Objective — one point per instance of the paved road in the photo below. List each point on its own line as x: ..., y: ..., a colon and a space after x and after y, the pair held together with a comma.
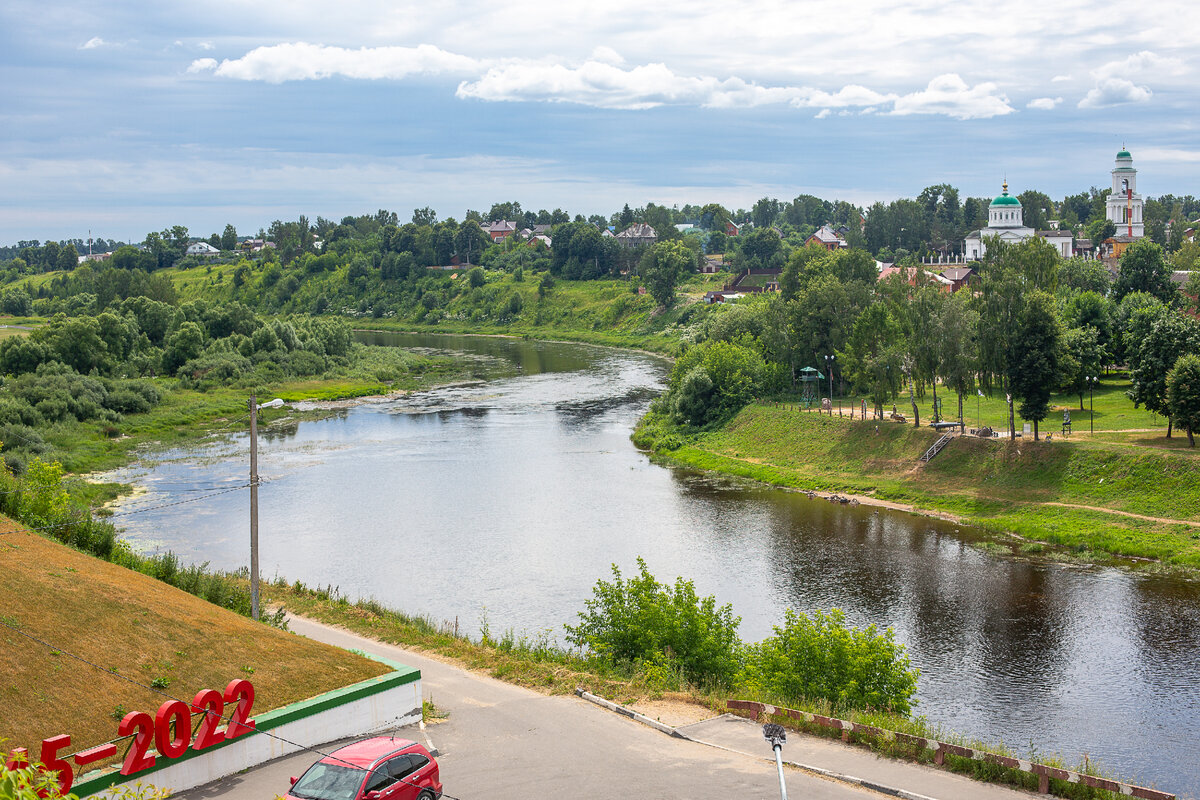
x: 503, y: 741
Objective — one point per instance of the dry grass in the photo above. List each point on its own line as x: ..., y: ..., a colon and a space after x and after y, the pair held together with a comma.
x: 144, y: 630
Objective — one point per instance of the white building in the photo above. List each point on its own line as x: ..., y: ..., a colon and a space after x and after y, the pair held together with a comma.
x: 202, y: 249
x: 1124, y: 207
x: 1006, y: 220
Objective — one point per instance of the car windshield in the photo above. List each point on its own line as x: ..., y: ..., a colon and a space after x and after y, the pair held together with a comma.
x: 329, y: 782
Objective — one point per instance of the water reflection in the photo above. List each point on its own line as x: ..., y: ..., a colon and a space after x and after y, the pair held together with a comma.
x: 514, y: 496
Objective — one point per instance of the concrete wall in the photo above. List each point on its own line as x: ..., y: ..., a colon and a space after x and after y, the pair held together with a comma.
x: 385, y: 702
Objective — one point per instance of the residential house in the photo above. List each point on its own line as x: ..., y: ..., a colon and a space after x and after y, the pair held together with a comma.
x: 828, y: 238
x: 732, y: 228
x: 636, y: 235
x: 202, y: 249
x: 958, y: 277
x: 499, y: 230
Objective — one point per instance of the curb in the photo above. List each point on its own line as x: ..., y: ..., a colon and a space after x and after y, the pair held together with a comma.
x: 676, y: 733
x: 433, y: 751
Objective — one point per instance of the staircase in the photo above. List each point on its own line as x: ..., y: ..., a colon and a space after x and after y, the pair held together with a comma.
x: 937, y: 447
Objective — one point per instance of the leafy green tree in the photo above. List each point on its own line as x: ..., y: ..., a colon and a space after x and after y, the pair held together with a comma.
x: 639, y: 621
x: 803, y: 266
x: 1083, y: 356
x: 1036, y: 209
x: 662, y: 267
x: 959, y: 357
x: 1143, y: 268
x: 1085, y: 275
x: 1033, y: 361
x: 625, y: 218
x: 1170, y: 336
x: 760, y: 249
x: 229, y: 238
x: 1183, y: 394
x: 186, y: 343
x: 872, y: 359
x: 427, y: 216
x: 819, y: 657
x: 1100, y: 229
x: 717, y: 242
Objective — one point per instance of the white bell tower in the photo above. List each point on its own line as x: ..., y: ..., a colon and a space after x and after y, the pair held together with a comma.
x: 1124, y: 206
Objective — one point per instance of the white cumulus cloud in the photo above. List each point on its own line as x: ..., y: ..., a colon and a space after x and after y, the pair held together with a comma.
x: 950, y: 95
x: 93, y: 43
x: 1137, y: 65
x: 202, y: 65
x: 1115, y: 92
x: 302, y: 61
x: 1044, y: 103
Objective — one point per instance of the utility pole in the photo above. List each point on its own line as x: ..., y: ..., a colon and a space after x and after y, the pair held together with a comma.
x: 254, y: 407
x: 253, y: 507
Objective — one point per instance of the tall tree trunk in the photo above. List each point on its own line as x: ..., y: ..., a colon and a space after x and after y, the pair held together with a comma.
x: 912, y: 396
x: 960, y: 416
x: 1012, y: 422
x: 1035, y: 430
x: 1169, y: 427
x: 1191, y: 440
x: 936, y: 416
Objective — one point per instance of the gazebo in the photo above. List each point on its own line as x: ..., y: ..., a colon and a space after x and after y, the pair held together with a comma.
x: 810, y: 379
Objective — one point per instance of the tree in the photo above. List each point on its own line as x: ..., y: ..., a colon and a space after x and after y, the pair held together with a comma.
x: 661, y: 268
x: 1083, y: 356
x: 625, y: 218
x: 872, y: 358
x: 229, y: 238
x: 959, y: 357
x: 1143, y: 268
x: 1033, y: 361
x: 1100, y: 229
x: 1084, y: 274
x: 1171, y: 335
x: 509, y: 211
x: 424, y: 216
x: 717, y: 242
x: 1183, y: 394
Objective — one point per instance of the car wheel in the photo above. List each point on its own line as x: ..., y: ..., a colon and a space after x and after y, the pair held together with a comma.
x: 426, y: 796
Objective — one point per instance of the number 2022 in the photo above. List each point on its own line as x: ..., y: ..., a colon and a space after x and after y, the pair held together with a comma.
x: 170, y: 729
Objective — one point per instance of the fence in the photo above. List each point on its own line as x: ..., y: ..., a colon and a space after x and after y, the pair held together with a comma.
x: 941, y: 749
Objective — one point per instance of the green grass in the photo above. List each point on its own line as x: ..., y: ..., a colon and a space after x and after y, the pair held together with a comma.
x: 997, y: 484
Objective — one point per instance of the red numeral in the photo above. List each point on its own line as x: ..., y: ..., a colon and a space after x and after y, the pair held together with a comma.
x: 98, y: 753
x: 136, y: 759
x: 212, y: 707
x: 242, y: 691
x: 173, y: 728
x: 17, y: 759
x: 52, y: 763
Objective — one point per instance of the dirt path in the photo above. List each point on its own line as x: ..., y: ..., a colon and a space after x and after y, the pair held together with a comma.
x: 1167, y: 520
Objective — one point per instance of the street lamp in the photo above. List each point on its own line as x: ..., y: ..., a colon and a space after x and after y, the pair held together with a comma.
x: 829, y: 362
x: 1091, y: 381
x: 776, y: 735
x: 254, y: 407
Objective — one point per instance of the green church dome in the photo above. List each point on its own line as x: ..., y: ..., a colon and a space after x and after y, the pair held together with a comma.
x: 1005, y: 200
x: 1124, y: 154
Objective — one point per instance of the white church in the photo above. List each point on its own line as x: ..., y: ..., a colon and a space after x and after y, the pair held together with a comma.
x: 1124, y: 208
x: 1005, y: 219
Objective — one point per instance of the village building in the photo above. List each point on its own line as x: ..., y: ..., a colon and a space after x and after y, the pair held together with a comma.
x: 499, y: 230
x: 1006, y: 220
x: 202, y: 249
x: 637, y: 234
x: 828, y: 238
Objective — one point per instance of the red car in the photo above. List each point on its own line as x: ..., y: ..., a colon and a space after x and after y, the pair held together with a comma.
x: 382, y: 768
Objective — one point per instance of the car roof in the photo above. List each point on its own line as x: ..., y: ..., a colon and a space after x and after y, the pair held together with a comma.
x: 366, y: 752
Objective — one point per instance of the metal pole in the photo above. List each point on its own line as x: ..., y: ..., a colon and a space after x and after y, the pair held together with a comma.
x: 1092, y: 406
x: 779, y: 766
x: 776, y: 735
x: 253, y: 507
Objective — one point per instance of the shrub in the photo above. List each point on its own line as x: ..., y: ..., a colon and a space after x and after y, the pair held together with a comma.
x: 819, y: 657
x: 641, y: 620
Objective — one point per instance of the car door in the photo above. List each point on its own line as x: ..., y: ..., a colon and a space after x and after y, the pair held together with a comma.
x: 400, y: 770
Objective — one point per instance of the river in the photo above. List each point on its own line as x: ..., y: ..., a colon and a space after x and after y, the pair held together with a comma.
x: 505, y: 501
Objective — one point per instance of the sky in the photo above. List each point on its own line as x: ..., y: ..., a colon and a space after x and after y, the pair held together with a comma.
x: 127, y: 117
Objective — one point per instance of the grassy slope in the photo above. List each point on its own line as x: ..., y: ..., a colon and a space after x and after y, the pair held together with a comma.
x: 994, y: 483
x: 142, y: 628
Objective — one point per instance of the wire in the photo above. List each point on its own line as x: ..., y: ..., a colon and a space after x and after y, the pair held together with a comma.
x: 149, y: 688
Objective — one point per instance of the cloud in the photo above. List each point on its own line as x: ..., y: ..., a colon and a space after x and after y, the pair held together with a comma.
x: 206, y: 46
x: 202, y: 65
x: 949, y: 95
x: 1169, y: 155
x: 825, y: 112
x: 93, y: 43
x: 1060, y: 78
x: 302, y: 61
x: 1139, y: 64
x: 852, y: 95
x: 1115, y: 92
x: 1044, y: 103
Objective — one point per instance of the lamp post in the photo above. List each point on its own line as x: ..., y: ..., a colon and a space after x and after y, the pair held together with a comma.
x: 776, y: 735
x: 829, y: 362
x: 1091, y: 381
x: 254, y: 407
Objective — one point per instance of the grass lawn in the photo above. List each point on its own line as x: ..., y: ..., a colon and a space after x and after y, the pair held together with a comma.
x: 144, y: 630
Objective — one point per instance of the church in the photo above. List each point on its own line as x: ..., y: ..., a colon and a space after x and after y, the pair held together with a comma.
x: 1005, y: 220
x: 1124, y: 207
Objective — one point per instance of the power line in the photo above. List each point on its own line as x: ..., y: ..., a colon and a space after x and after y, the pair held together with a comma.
x: 200, y: 709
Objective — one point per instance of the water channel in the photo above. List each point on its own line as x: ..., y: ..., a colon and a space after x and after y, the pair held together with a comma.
x: 508, y: 499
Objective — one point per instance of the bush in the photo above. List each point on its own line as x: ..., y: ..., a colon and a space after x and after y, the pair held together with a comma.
x: 819, y: 657
x: 640, y: 620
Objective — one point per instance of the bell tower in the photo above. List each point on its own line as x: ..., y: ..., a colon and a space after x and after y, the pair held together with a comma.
x: 1124, y: 207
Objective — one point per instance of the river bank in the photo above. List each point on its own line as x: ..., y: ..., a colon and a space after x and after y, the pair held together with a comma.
x: 1097, y: 501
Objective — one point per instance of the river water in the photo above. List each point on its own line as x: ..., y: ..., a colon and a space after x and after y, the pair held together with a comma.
x: 506, y: 501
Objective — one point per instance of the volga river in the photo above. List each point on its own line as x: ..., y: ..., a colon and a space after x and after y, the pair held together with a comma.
x: 506, y: 501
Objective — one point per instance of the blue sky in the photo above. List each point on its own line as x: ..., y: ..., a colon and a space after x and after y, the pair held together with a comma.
x: 123, y: 118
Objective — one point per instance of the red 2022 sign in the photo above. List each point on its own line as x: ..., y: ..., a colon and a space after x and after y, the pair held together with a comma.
x: 169, y: 730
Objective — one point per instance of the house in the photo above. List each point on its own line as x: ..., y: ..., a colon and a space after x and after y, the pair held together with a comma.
x: 94, y: 257
x: 910, y: 276
x: 636, y: 235
x: 958, y: 277
x: 540, y: 237
x: 255, y: 245
x: 732, y: 228
x: 826, y: 237
x: 499, y: 230
x: 202, y: 249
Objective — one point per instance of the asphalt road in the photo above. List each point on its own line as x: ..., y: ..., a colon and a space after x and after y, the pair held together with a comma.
x: 503, y: 742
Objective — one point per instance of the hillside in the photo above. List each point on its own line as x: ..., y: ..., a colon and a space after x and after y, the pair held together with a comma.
x: 1026, y: 487
x: 140, y: 628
